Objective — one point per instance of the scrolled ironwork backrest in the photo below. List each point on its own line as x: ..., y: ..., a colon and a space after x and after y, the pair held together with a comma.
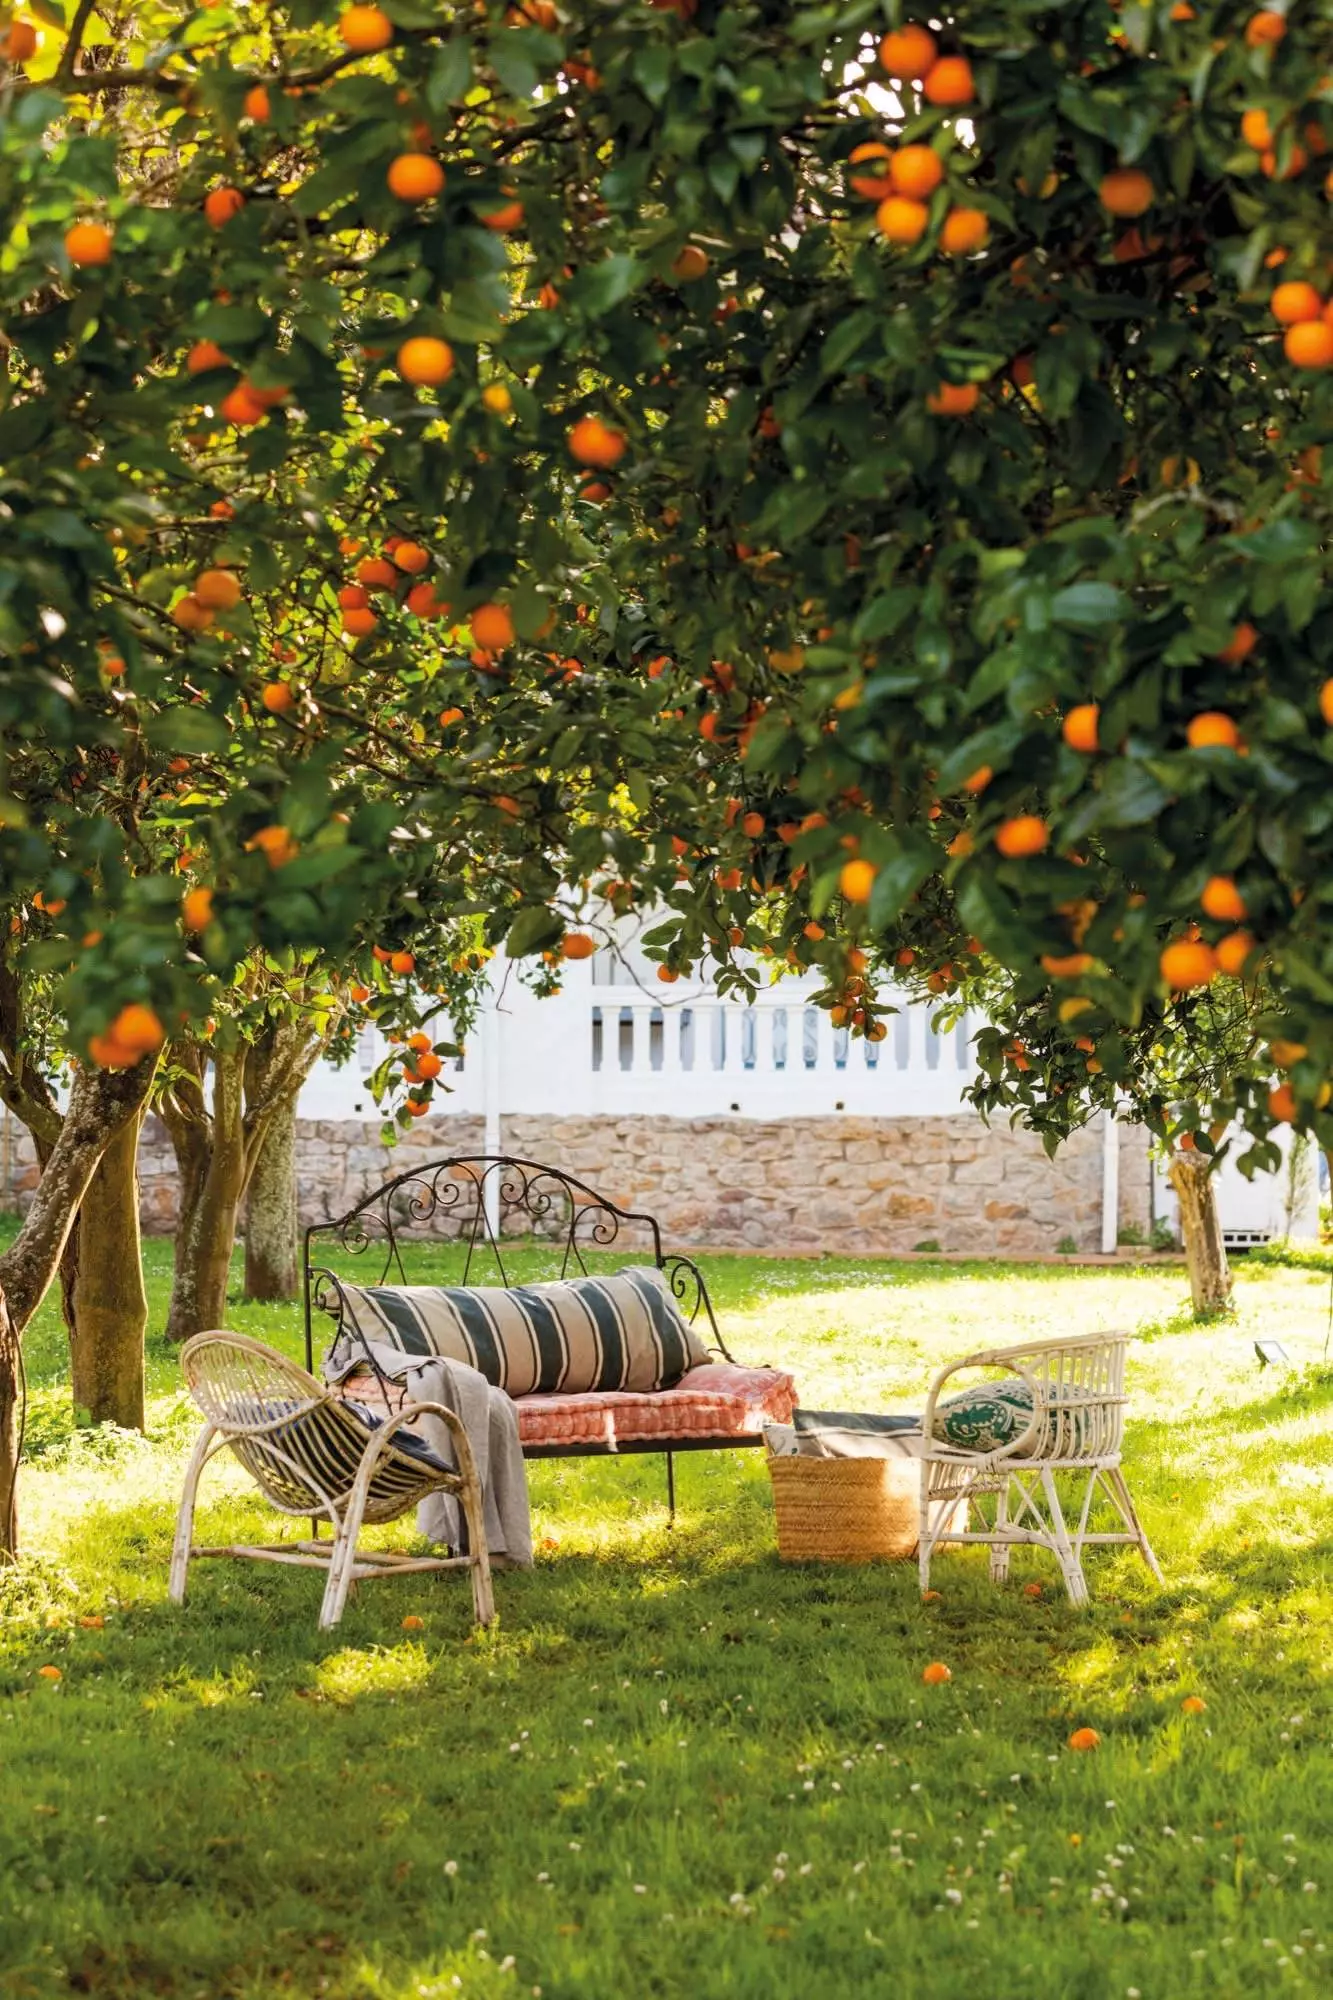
x: 525, y: 1195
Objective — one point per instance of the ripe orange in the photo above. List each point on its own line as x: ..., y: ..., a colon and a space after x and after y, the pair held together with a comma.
x: 277, y: 698
x: 965, y: 230
x: 423, y: 603
x: 690, y: 263
x: 205, y: 354
x: 908, y: 53
x: 189, y: 615
x: 752, y: 825
x: 508, y: 215
x: 1326, y: 702
x: 423, y: 360
x: 415, y: 177
x: 449, y: 716
x: 1265, y: 27
x: 197, y: 909
x: 577, y: 944
x: 497, y: 399
x: 1294, y: 302
x: 1282, y: 1104
x: 901, y: 219
x: 591, y: 442
x: 953, y: 399
x: 417, y: 1107
x: 256, y: 105
x: 222, y: 510
x: 366, y: 29
x: 242, y: 407
x: 88, y: 243
x: 916, y: 171
x: 1310, y: 344
x: 402, y: 962
x: 856, y: 880
x: 1020, y: 837
x: 1212, y: 731
x: 353, y: 598
x: 20, y: 44
x: 492, y: 626
x: 1071, y: 966
x: 1084, y: 1739
x: 1240, y: 645
x: 375, y: 574
x: 221, y: 204
x: 1126, y: 191
x: 979, y: 780
x: 1256, y: 131
x: 411, y: 558
x: 1232, y: 952
x: 218, y: 589
x: 1187, y: 962
x: 1287, y: 1054
x: 871, y: 186
x: 1298, y: 160
x: 1222, y: 900
x: 138, y: 1029
x: 949, y: 82
x: 936, y: 1674
x: 1193, y: 1704
x: 1079, y: 728
x: 359, y: 624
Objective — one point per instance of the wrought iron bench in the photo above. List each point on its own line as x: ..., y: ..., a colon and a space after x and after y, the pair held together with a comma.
x: 487, y: 1201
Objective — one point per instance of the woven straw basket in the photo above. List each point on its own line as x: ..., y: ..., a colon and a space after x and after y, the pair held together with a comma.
x: 846, y: 1509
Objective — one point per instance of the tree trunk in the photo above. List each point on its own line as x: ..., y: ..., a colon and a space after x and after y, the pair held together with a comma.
x: 213, y: 1177
x: 11, y: 1437
x: 106, y: 1307
x: 1201, y: 1233
x: 270, y: 1210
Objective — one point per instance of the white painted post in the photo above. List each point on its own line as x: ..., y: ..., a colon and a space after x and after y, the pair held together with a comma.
x: 1110, y: 1182
x: 671, y: 1019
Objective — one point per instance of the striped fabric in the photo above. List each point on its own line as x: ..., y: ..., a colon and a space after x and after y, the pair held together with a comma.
x: 328, y: 1443
x: 578, y: 1334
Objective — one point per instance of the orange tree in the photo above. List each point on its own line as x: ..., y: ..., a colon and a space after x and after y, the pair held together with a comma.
x: 830, y: 467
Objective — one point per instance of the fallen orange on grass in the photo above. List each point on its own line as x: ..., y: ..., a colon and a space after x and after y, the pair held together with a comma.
x: 1084, y: 1739
x: 413, y: 1624
x: 1193, y: 1704
x: 935, y: 1674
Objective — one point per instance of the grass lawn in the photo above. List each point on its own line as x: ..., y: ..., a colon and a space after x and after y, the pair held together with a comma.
x: 677, y: 1767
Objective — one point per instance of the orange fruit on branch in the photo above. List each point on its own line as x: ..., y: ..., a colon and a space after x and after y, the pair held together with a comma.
x: 949, y: 82
x: 916, y: 171
x: 856, y: 880
x: 205, y: 354
x: 964, y: 230
x: 1188, y: 962
x: 411, y: 558
x: 256, y: 105
x: 492, y: 626
x: 425, y: 361
x: 591, y: 442
x: 689, y: 264
x: 953, y: 399
x: 1240, y: 645
x: 21, y: 42
x: 221, y: 204
x: 1309, y: 344
x: 1222, y: 900
x: 1232, y: 952
x: 1126, y: 191
x: 189, y: 615
x: 375, y: 573
x: 218, y: 589
x: 1212, y: 731
x: 577, y: 944
x: 902, y: 220
x: 277, y: 698
x: 359, y: 623
x: 88, y: 243
x: 1256, y: 131
x: 364, y: 30
x: 415, y: 177
x: 871, y: 186
x: 242, y: 407
x: 1294, y: 302
x: 1265, y: 28
x: 908, y: 54
x: 1282, y: 1104
x: 1022, y: 836
x: 197, y: 909
x: 1079, y: 728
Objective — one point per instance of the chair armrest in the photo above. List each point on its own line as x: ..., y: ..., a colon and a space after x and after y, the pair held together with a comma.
x: 453, y: 1423
x: 991, y: 1359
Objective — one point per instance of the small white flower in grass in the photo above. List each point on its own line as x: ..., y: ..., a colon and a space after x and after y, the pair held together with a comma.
x: 514, y: 1749
x: 664, y: 1704
x: 809, y: 1785
x: 641, y: 1888
x: 779, y: 1874
x: 1310, y: 1888
x: 858, y: 1867
x: 587, y: 1722
x: 780, y: 1857
x: 1132, y: 1993
x: 914, y: 1788
x: 1287, y: 1839
x: 543, y: 1876
x: 735, y: 1898
x: 508, y: 1962
x: 576, y: 1845
x: 1169, y: 1832
x: 954, y: 1896
x: 478, y: 1937
x: 807, y: 1867
x: 451, y: 1867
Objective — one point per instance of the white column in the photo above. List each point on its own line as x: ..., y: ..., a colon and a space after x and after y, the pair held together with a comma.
x: 1110, y: 1182
x: 671, y: 1063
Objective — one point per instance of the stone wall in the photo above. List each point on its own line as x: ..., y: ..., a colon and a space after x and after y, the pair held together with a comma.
x: 855, y: 1186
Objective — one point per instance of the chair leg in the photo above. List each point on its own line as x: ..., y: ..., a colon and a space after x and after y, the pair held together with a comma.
x: 999, y: 1551
x: 180, y: 1549
x: 1070, y: 1567
x: 483, y: 1597
x: 341, y: 1564
x: 1116, y: 1480
x: 671, y: 1488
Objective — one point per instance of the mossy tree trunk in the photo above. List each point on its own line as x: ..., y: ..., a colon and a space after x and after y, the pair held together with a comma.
x: 271, y: 1271
x: 11, y: 1391
x: 218, y: 1135
x: 1201, y: 1233
x: 101, y: 1277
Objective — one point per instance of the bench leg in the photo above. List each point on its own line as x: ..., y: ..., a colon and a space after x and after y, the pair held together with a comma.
x: 671, y: 1488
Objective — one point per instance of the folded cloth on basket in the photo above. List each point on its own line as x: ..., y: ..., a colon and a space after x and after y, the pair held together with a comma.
x: 853, y: 1434
x: 488, y: 1416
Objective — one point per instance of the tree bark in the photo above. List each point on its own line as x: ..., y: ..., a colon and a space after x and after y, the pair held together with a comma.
x: 11, y: 1439
x: 211, y: 1155
x: 271, y: 1211
x: 1201, y: 1233
x: 102, y: 1280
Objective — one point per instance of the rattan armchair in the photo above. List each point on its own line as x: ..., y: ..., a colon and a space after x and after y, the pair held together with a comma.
x: 314, y: 1455
x: 1011, y: 1492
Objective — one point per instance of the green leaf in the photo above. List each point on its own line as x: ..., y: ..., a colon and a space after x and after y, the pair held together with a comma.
x: 533, y: 930
x: 190, y: 732
x: 513, y: 65
x: 900, y: 877
x: 1087, y: 604
x: 840, y: 345
x: 450, y: 75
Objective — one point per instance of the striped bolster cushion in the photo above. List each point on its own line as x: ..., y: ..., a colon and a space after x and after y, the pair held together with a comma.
x: 578, y: 1334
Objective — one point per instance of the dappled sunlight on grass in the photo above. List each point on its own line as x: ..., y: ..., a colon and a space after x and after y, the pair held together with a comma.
x: 354, y: 1671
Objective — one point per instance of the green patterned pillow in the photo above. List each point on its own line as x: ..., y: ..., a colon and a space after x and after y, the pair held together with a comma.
x: 984, y: 1418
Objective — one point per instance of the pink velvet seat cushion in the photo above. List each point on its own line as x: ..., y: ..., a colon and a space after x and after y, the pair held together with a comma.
x: 717, y: 1399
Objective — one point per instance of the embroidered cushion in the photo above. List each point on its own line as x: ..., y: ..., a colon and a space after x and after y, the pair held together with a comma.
x: 577, y: 1334
x: 986, y: 1417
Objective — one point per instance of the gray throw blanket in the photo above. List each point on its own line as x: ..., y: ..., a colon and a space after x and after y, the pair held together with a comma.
x: 491, y: 1423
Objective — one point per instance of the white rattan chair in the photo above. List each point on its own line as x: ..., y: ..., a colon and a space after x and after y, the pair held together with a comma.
x: 312, y: 1455
x: 1078, y: 1404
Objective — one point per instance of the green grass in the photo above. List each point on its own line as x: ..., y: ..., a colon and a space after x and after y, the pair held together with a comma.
x: 676, y: 1767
